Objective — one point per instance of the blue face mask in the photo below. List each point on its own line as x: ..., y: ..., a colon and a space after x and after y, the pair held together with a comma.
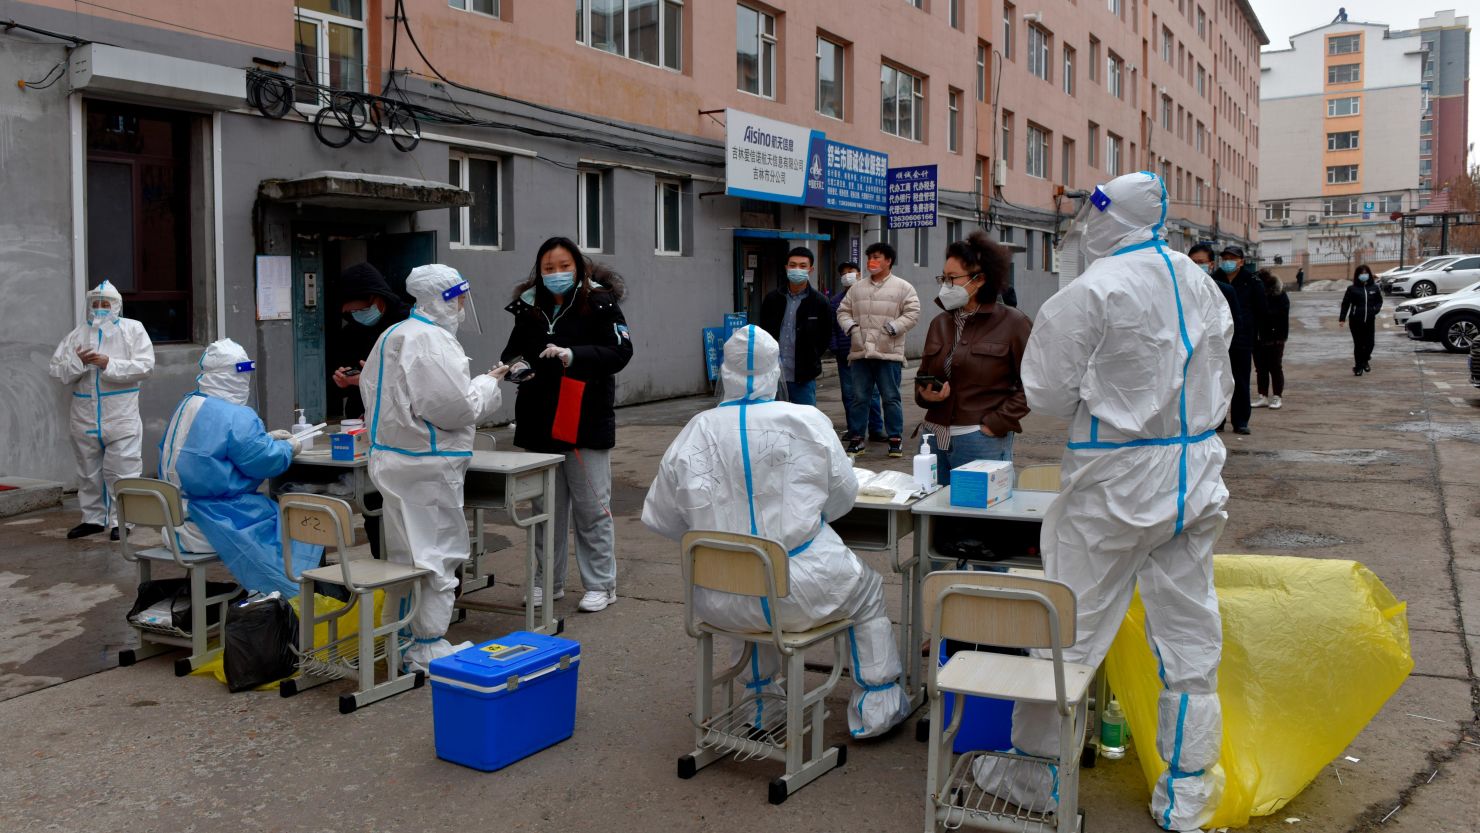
x: 1206, y: 267
x: 1228, y: 266
x: 367, y: 316
x: 559, y: 283
x: 1364, y: 277
x: 797, y: 276
x: 98, y: 316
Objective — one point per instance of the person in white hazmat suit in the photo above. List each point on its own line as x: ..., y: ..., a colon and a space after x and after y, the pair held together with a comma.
x: 777, y: 470
x: 104, y: 360
x: 422, y: 408
x: 1135, y: 353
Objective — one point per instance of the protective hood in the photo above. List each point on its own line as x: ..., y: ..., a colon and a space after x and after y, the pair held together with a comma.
x: 436, y: 289
x: 752, y: 365
x: 104, y: 292
x: 225, y: 372
x: 1125, y: 211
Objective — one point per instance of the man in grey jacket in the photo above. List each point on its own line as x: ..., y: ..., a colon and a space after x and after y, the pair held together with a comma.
x: 876, y: 315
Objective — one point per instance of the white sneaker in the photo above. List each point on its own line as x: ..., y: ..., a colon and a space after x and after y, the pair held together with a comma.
x: 537, y: 595
x: 596, y: 600
x: 1275, y: 404
x: 1259, y: 402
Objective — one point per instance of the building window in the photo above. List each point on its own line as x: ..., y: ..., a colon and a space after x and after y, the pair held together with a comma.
x: 139, y: 218
x: 476, y: 225
x: 830, y: 78
x: 755, y: 52
x: 1426, y: 127
x: 955, y: 230
x: 591, y: 210
x: 1038, y: 40
x: 650, y: 31
x: 1047, y: 250
x: 1028, y: 249
x: 901, y: 103
x: 1345, y: 140
x: 329, y: 45
x: 1343, y: 73
x: 919, y: 4
x: 1116, y: 8
x: 668, y: 237
x: 1114, y: 75
x: 1069, y: 70
x: 953, y: 13
x: 1202, y: 23
x: 953, y: 121
x: 1344, y: 45
x: 488, y: 7
x: 978, y: 180
x: 1092, y: 147
x: 1425, y: 167
x: 1202, y: 82
x: 1006, y: 150
x: 1392, y: 203
x: 1340, y: 207
x: 1037, y: 151
x: 1113, y: 148
x: 1197, y: 192
x: 1425, y: 147
x: 1341, y: 174
x: 1066, y: 164
x: 1343, y: 106
x: 981, y: 71
x: 1202, y: 144
x: 1094, y: 58
x: 1276, y: 211
x: 1166, y: 44
x: 1166, y: 113
x: 1009, y: 11
x: 922, y: 247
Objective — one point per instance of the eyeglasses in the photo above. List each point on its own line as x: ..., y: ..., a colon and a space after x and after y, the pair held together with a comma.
x: 951, y: 279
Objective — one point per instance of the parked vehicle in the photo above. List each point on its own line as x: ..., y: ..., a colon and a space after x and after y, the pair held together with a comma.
x: 1450, y: 277
x: 1454, y: 323
x: 1475, y: 363
x: 1408, y: 309
x: 1385, y: 280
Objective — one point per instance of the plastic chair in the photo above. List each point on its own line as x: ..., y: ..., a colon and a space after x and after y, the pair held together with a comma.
x: 1042, y: 478
x: 323, y: 520
x: 149, y: 502
x: 1008, y: 611
x: 749, y: 566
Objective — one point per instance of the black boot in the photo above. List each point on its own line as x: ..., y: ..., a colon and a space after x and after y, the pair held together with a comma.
x: 83, y: 529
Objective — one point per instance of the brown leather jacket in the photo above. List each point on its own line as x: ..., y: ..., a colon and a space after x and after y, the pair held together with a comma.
x: 985, y: 383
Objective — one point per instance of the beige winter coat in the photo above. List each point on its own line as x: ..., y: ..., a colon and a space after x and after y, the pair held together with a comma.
x: 868, y: 306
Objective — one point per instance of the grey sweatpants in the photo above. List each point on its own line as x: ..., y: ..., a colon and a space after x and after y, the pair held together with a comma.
x: 583, y: 489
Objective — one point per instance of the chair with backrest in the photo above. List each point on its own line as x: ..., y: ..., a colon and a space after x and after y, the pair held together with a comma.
x: 1007, y: 611
x: 326, y: 521
x: 730, y: 562
x: 146, y: 501
x: 1041, y: 478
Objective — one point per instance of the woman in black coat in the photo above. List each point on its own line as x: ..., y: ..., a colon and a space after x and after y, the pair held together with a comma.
x: 1363, y: 300
x: 569, y: 342
x: 1269, y: 342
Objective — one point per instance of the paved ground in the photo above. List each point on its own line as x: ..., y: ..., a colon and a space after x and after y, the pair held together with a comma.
x: 1382, y: 469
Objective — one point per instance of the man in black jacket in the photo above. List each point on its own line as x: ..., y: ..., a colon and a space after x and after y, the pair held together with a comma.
x: 1247, y: 320
x: 800, y: 319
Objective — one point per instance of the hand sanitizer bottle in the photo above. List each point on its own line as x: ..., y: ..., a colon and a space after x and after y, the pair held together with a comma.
x: 925, y: 472
x: 301, y: 426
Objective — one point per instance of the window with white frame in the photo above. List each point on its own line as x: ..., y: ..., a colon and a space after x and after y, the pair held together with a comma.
x: 919, y: 4
x: 1426, y: 147
x: 591, y: 210
x: 953, y: 13
x: 329, y: 46
x: 1344, y: 45
x: 1343, y: 73
x: 955, y: 230
x: 1037, y: 151
x: 650, y: 31
x: 1202, y: 23
x: 1115, y: 75
x: 953, y: 120
x: 1038, y: 62
x: 1092, y: 147
x: 1069, y: 70
x: 1116, y: 8
x: 1340, y: 206
x: 668, y: 231
x: 1166, y: 44
x: 922, y: 247
x: 901, y: 103
x: 1202, y: 82
x: 1340, y: 174
x: 1392, y: 203
x: 1276, y: 211
x: 1009, y: 11
x: 755, y: 52
x: 830, y: 57
x: 1066, y: 164
x: 1006, y: 149
x: 1113, y: 148
x: 1197, y: 192
x: 978, y: 177
x: 1350, y: 106
x: 1343, y: 140
x: 488, y: 7
x: 1094, y: 58
x: 981, y: 71
x: 476, y: 225
x: 1166, y: 113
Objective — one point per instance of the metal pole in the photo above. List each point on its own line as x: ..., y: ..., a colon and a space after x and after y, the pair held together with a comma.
x: 1443, y: 234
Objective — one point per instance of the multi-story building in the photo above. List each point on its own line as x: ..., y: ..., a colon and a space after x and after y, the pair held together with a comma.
x: 1073, y: 94
x: 1350, y: 111
x: 149, y: 148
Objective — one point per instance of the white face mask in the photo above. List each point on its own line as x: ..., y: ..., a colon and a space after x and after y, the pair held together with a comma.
x: 953, y: 297
x: 850, y: 278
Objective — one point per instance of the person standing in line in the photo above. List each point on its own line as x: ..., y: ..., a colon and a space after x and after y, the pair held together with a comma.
x: 1203, y: 255
x: 974, y: 353
x: 847, y: 277
x: 568, y: 327
x: 800, y: 319
x: 1269, y: 348
x: 1363, y: 300
x: 1300, y: 279
x: 1237, y: 273
x: 103, y: 360
x: 875, y: 315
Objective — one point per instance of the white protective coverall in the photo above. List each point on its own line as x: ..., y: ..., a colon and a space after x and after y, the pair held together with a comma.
x: 1135, y: 353
x: 107, y: 434
x: 777, y: 470
x: 423, y: 407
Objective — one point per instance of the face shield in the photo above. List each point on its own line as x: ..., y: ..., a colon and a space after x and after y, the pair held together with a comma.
x: 226, y: 373
x: 104, y: 304
x: 466, y: 315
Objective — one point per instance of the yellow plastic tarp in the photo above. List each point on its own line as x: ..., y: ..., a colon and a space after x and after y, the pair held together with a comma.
x: 1311, y: 650
x: 349, y: 624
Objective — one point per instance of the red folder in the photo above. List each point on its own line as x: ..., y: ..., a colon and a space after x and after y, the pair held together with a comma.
x: 567, y: 425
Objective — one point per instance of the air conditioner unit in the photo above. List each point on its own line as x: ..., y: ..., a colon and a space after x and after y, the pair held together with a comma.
x: 1312, y: 219
x: 1285, y: 222
x: 999, y: 174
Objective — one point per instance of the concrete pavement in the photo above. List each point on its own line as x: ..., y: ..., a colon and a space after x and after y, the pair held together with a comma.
x: 1382, y: 469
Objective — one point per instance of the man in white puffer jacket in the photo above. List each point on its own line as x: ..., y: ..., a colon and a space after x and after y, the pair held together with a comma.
x: 875, y: 315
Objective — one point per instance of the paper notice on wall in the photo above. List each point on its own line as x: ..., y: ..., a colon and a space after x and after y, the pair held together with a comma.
x: 274, y: 288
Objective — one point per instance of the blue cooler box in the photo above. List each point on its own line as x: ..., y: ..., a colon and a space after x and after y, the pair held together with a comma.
x: 495, y: 703
x: 986, y: 723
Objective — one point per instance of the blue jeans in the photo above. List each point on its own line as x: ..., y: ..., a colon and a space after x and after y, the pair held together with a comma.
x: 969, y: 447
x: 801, y: 393
x: 876, y: 410
x: 875, y: 377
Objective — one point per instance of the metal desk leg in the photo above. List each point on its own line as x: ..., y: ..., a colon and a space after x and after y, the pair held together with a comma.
x: 548, y: 624
x: 914, y: 581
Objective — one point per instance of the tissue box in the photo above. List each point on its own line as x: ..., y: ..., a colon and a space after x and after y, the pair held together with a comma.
x: 350, y: 445
x: 981, y: 483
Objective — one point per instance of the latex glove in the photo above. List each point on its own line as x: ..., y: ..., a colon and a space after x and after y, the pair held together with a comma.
x: 889, y: 328
x: 500, y: 372
x: 93, y: 358
x: 562, y: 353
x: 296, y: 445
x: 280, y: 434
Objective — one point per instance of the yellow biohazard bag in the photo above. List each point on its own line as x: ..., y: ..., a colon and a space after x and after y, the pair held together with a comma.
x: 349, y: 624
x: 1311, y: 650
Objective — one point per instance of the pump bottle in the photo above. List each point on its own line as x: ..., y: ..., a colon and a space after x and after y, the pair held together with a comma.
x: 302, y: 426
x: 925, y: 472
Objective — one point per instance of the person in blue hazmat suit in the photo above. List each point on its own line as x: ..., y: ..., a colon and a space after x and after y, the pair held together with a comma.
x: 217, y: 451
x: 104, y: 360
x: 1134, y: 352
x: 777, y: 470
x: 423, y: 408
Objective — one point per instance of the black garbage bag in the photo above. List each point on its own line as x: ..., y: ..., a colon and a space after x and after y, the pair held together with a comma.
x: 260, y: 636
x: 173, y: 595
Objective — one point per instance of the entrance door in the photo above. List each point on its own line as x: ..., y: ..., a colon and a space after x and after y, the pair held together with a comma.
x: 842, y: 247
x: 395, y: 255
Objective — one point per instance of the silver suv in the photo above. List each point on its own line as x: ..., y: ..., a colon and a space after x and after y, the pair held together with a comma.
x: 1460, y: 272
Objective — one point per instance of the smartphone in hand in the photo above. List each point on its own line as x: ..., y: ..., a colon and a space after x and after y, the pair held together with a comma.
x: 927, y: 381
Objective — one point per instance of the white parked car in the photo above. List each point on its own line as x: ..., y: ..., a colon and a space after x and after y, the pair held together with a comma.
x: 1385, y: 280
x: 1455, y: 323
x: 1408, y: 309
x: 1450, y: 277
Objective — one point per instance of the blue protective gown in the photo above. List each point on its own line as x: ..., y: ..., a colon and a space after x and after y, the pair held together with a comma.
x: 219, y: 453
